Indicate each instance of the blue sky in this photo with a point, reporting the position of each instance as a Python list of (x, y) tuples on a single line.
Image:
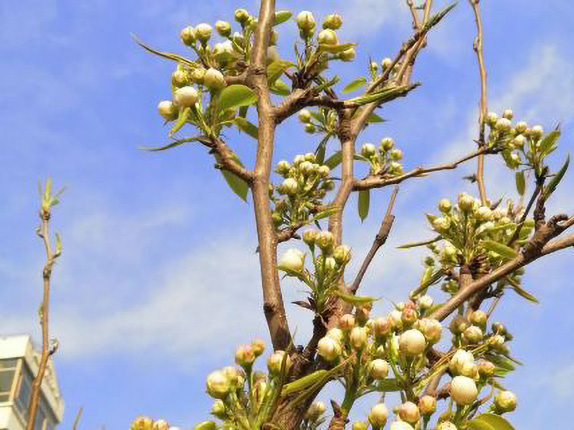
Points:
[(158, 280)]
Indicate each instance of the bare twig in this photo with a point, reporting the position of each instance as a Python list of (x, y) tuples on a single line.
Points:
[(414, 14), (77, 419), (379, 241)]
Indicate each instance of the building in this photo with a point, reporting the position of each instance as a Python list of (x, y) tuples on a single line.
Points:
[(18, 363)]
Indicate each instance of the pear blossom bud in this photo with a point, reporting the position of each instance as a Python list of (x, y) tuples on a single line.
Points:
[(167, 110), (218, 409), (310, 128), (218, 384), (470, 370), (472, 335), (441, 224), (395, 168), (223, 51), (329, 349), (505, 401), (491, 118), (498, 328), (179, 78), (519, 141), (306, 166), (203, 32), (458, 324), (396, 318), (497, 341), (427, 405), (381, 327), (205, 425), (187, 36), (486, 368), (315, 411), (396, 154), (241, 16), (258, 347), (275, 362), (536, 132), (324, 171), (197, 75), (306, 22), (347, 322), (358, 337), (459, 359), (342, 254), (446, 425), (348, 55), (386, 63), (244, 356), (478, 317), (425, 302), (233, 375), (445, 205), (431, 329), (360, 425), (521, 126), (330, 264), (333, 21), (387, 143), (409, 412), (336, 334), (325, 240), (289, 186), (304, 116), (465, 202), (508, 114), (327, 37), (400, 425), (185, 96), (409, 316), (329, 185), (368, 150), (378, 369), (292, 261), (283, 167), (142, 423), (378, 415), (309, 237), (223, 28), (214, 79), (463, 390), (412, 342)]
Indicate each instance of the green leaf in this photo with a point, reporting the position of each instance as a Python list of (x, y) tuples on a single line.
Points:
[(58, 246), (551, 187), (489, 422), (520, 182), (325, 213), (321, 148), (276, 69), (364, 203), (304, 382), (382, 96), (336, 49), (499, 248), (415, 244), (522, 292), (548, 142), (355, 85), (184, 115), (334, 160), (375, 118), (280, 88), (237, 185), (167, 55), (170, 145), (235, 96), (247, 127), (282, 16), (353, 299)]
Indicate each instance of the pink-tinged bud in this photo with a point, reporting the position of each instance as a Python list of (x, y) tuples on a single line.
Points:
[(214, 79), (203, 32), (360, 425), (378, 415), (347, 322), (505, 401), (325, 240), (472, 335), (342, 254), (142, 423), (409, 316), (333, 21), (446, 425), (336, 334), (244, 356), (409, 412), (427, 405), (327, 37), (292, 261), (463, 390), (315, 411), (187, 36), (223, 28), (412, 342), (521, 127), (381, 327), (358, 337), (168, 110), (241, 16), (275, 362), (458, 324), (218, 384), (378, 369), (400, 425), (218, 409), (329, 349)]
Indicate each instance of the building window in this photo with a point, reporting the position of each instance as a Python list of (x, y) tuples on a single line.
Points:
[(7, 372)]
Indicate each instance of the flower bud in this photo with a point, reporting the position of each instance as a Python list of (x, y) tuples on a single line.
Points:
[(185, 96), (396, 318), (486, 368), (497, 341), (459, 359), (187, 36), (348, 55), (142, 423), (283, 167), (536, 132), (315, 411), (309, 237), (360, 425), (458, 324), (446, 425), (472, 335), (306, 22), (336, 334), (325, 240), (329, 349), (396, 154), (400, 425), (347, 322), (358, 337), (519, 141), (431, 329), (491, 118), (179, 78), (241, 16), (275, 362), (342, 254), (469, 369), (387, 143), (223, 28), (445, 205), (197, 75), (368, 150), (508, 114), (498, 328), (218, 409), (478, 317), (223, 52), (324, 171), (412, 342), (427, 405), (378, 369), (258, 347), (409, 316), (289, 186), (310, 128), (465, 202), (167, 110), (463, 390), (304, 116), (327, 37), (214, 79), (386, 63), (203, 33), (306, 166), (395, 168), (292, 261), (425, 302), (441, 224), (378, 415), (205, 425), (381, 327), (333, 21), (244, 356), (409, 412), (521, 126), (218, 384), (505, 401)]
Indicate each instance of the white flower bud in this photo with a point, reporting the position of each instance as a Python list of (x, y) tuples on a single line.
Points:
[(396, 154), (306, 22), (508, 114), (336, 334), (329, 349), (378, 415), (330, 264), (241, 16), (306, 167), (409, 412), (342, 254), (358, 337), (258, 347), (431, 329), (396, 317), (214, 79), (395, 168), (218, 409), (491, 118), (275, 362), (324, 171), (446, 425), (315, 411), (283, 167), (463, 390), (223, 28), (244, 355), (425, 302), (519, 141), (465, 202), (386, 63), (203, 32), (309, 237), (187, 36), (459, 359), (387, 143), (333, 21), (445, 205), (505, 401), (484, 213), (167, 110), (400, 425), (289, 186), (348, 55), (378, 369), (325, 240), (412, 342), (441, 224), (472, 335), (536, 132), (292, 261), (427, 405), (218, 384), (197, 75), (304, 116), (327, 37), (160, 425), (503, 124), (368, 150), (521, 126), (185, 96)]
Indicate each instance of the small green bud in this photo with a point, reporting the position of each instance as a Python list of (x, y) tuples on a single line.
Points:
[(241, 16), (368, 150), (445, 205), (203, 32), (306, 22), (396, 154), (187, 36), (168, 110), (185, 96), (505, 401), (508, 114), (223, 28), (348, 55), (304, 116), (214, 79), (378, 415), (342, 254), (327, 37), (218, 384), (333, 21)]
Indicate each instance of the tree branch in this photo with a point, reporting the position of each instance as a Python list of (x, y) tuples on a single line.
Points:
[(229, 161)]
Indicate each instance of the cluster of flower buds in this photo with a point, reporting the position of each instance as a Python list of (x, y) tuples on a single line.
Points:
[(376, 70), (324, 120), (298, 197), (147, 423), (384, 160), (329, 262), (326, 39)]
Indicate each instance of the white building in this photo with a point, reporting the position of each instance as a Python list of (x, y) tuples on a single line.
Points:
[(18, 363)]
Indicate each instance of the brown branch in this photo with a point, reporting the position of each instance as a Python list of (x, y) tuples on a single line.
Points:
[(379, 241), (539, 246), (372, 181), (273, 305), (479, 50), (414, 14), (229, 161)]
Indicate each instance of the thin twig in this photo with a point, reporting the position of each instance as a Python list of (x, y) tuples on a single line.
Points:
[(379, 241), (414, 14)]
